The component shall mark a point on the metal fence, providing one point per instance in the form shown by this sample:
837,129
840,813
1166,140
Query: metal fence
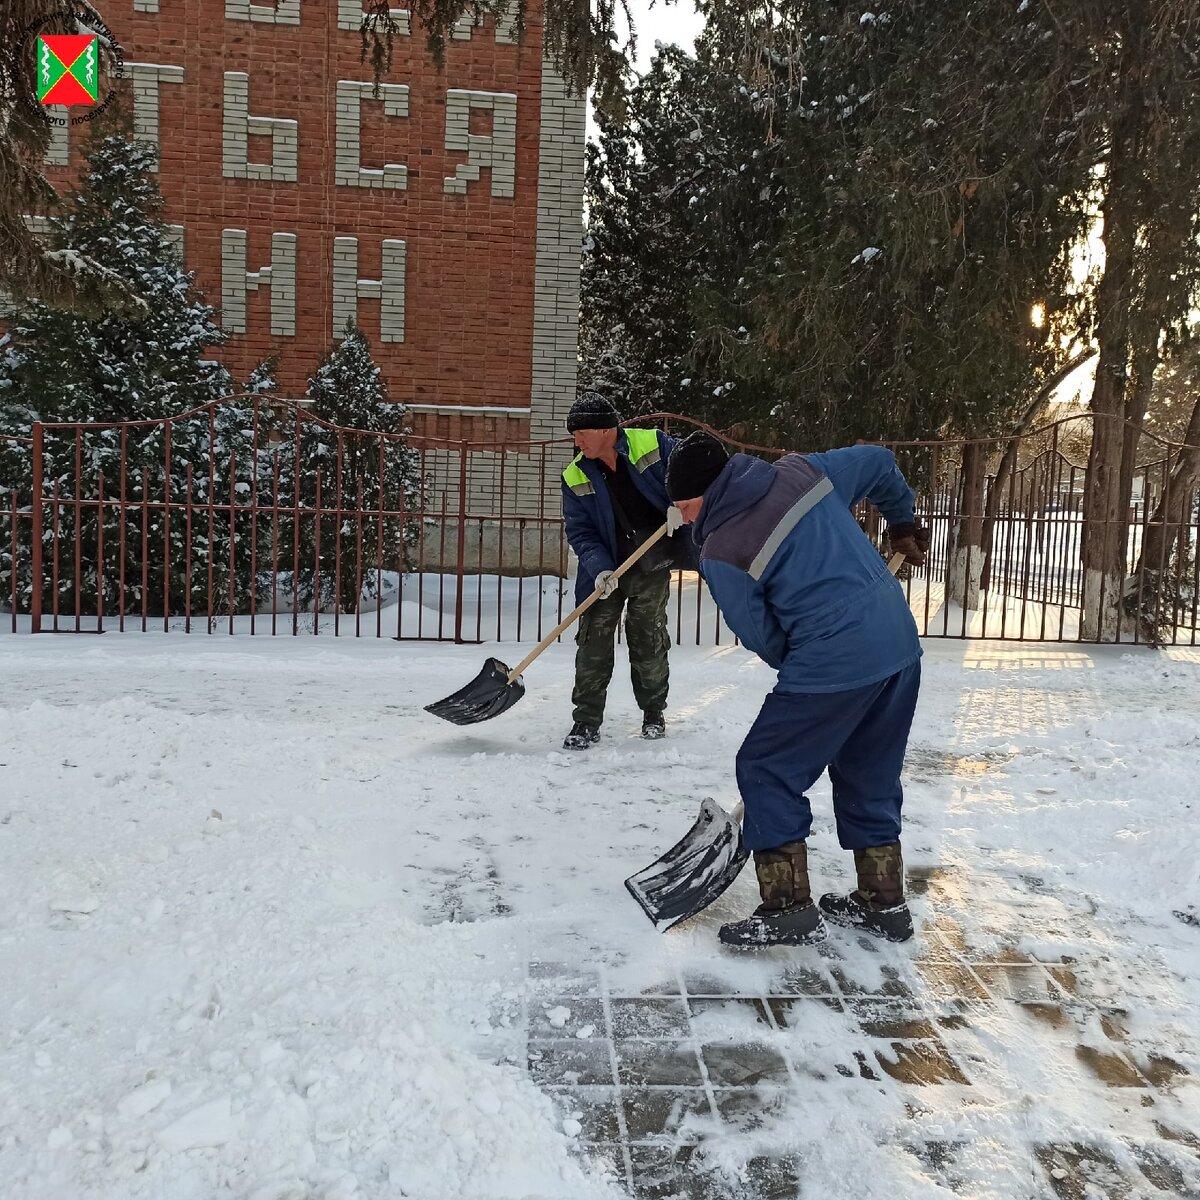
253,516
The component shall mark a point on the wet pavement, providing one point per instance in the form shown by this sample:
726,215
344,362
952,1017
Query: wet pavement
663,1083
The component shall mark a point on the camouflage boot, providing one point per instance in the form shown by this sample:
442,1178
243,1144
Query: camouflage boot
787,916
878,905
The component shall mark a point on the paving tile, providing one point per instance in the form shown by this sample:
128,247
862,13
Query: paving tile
800,1011
1078,1172
570,1063
608,1157
1115,1024
920,1063
595,1108
920,880
659,1064
649,1018
1003,956
1161,1070
882,1021
936,1156
889,983
581,1011
952,1021
731,1018
744,1110
1029,984
858,1065
1111,1069
952,981
663,988
563,979
772,1179
1183,1137
732,1064
1052,1016
682,1175
931,950
657,1114
1166,1175
1065,978
673,1175
945,929
802,981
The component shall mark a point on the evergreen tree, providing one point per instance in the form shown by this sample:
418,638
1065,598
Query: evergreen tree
263,379
61,365
680,198
29,267
356,479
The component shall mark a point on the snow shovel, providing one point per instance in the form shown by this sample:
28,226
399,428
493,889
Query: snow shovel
496,688
702,864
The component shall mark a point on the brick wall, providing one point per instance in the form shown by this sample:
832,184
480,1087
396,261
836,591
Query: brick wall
444,215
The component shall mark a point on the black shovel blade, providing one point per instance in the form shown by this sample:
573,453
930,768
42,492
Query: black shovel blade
486,696
694,872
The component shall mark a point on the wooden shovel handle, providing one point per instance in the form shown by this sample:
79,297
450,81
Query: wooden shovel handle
572,617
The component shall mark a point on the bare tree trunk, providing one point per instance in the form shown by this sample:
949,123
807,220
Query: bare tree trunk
1146,596
1103,518
966,561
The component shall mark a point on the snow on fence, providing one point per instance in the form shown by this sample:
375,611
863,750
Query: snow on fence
251,516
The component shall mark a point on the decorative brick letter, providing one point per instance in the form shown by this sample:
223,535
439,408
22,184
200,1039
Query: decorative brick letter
350,15
498,151
146,78
239,125
506,26
280,277
348,170
283,12
389,290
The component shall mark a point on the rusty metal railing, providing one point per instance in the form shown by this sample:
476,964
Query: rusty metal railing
252,515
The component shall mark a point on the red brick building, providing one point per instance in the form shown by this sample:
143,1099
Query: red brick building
445,215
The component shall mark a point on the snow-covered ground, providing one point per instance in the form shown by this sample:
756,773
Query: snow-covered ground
269,931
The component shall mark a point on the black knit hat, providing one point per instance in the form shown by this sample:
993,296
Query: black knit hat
592,411
693,466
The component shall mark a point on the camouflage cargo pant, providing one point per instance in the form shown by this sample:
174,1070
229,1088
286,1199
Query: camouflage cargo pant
643,596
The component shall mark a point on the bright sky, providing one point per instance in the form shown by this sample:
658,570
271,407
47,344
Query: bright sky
678,22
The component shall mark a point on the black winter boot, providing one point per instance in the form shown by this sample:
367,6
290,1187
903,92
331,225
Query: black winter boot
877,906
787,916
581,737
654,726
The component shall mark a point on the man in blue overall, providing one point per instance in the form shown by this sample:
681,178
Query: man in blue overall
802,585
614,497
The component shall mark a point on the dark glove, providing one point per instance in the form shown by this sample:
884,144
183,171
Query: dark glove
911,540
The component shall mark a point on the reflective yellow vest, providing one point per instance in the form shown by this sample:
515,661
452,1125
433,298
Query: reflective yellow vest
643,453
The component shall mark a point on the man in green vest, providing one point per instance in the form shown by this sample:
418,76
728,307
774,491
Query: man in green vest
614,498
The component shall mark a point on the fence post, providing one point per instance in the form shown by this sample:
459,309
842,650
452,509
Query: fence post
462,540
35,597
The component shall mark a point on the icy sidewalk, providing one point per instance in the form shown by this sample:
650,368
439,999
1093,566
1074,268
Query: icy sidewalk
268,931
1008,1071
